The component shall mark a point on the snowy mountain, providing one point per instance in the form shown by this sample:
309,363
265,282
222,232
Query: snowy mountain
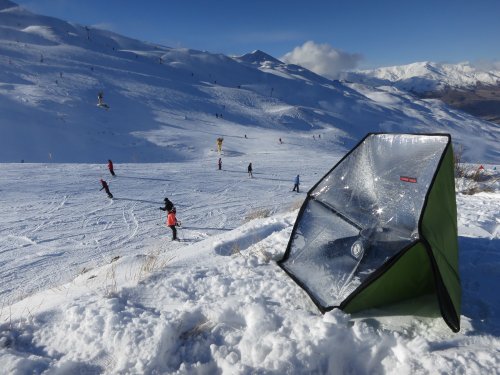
165,103
461,86
422,77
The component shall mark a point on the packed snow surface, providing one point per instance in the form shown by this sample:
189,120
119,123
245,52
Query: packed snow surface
96,285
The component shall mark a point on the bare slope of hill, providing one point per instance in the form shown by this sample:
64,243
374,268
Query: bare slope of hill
482,100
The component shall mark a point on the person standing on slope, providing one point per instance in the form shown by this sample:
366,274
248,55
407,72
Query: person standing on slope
297,183
110,167
219,163
106,188
172,223
250,170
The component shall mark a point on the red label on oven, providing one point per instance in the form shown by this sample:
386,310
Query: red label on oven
408,179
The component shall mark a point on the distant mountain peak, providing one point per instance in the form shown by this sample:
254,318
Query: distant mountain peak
258,56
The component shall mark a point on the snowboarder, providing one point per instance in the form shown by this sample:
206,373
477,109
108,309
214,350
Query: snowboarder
100,100
172,223
220,163
169,206
106,188
250,170
110,167
297,183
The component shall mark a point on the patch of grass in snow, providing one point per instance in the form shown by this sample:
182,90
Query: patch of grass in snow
110,284
236,249
470,179
204,325
151,263
259,213
296,205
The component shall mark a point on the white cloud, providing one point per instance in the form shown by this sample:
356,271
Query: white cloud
104,26
322,59
488,65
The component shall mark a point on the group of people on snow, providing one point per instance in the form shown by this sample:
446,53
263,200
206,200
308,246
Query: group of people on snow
169,207
104,184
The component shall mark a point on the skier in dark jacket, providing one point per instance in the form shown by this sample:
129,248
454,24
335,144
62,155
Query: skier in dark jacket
168,205
106,188
297,183
220,163
250,170
110,167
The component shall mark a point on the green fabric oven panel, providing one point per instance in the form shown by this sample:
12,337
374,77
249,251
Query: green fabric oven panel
409,276
439,228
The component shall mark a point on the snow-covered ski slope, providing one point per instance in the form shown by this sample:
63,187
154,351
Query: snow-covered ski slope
164,101
93,285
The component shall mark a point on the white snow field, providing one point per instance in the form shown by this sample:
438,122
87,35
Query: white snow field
91,285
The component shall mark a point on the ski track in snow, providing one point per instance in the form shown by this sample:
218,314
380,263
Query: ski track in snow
66,229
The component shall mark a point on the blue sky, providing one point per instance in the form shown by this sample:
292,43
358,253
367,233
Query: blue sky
371,33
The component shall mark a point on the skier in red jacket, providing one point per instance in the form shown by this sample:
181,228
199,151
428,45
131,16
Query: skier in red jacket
172,223
110,167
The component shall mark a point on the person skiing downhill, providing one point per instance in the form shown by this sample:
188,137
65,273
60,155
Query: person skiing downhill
110,167
250,170
106,188
297,183
172,223
220,163
100,101
168,205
